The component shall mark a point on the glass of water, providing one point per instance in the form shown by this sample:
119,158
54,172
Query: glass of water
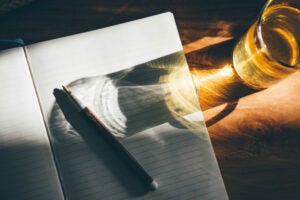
270,50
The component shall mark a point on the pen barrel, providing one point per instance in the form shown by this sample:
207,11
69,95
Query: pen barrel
118,147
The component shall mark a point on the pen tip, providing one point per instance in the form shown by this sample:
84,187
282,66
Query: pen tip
66,89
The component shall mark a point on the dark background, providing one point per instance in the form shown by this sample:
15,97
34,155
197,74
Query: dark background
256,146
44,19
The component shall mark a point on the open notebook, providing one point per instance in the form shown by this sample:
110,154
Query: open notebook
134,76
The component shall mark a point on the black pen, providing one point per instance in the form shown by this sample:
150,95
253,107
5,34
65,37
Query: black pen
114,142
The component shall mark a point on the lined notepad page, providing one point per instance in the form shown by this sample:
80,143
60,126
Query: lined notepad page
105,69
27,170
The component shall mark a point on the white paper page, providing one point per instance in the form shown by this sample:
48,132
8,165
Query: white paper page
86,62
27,170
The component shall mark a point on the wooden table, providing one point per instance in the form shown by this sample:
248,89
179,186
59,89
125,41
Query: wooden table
255,134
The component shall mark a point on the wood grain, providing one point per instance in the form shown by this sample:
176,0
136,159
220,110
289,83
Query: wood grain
255,134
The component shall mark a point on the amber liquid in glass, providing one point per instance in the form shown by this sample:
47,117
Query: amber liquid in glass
261,64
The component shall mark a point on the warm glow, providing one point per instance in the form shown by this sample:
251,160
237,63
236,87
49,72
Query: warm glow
204,42
203,75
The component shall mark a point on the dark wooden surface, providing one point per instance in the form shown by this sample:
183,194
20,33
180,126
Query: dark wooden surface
255,135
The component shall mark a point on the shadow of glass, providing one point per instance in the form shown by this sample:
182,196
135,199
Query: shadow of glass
132,101
216,80
141,97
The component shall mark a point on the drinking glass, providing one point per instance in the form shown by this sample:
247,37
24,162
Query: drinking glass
269,51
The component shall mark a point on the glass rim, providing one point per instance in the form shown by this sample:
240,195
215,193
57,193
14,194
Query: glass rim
261,42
